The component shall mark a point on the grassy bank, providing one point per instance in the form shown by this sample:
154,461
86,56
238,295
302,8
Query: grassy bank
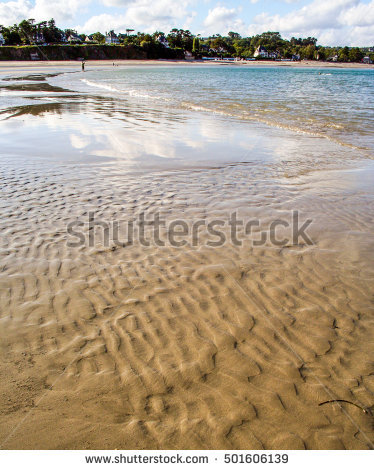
87,52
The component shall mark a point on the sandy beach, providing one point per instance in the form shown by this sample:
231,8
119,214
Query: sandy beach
32,65
138,345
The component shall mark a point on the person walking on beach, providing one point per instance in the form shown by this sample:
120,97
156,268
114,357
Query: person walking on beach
83,64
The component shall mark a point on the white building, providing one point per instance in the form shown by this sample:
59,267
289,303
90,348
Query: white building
111,38
162,40
2,40
273,55
74,38
39,38
261,52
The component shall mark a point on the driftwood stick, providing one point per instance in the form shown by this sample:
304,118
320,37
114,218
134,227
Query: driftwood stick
365,410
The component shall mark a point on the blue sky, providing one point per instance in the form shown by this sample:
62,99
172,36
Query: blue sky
333,22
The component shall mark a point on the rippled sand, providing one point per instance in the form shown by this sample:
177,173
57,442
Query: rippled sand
148,347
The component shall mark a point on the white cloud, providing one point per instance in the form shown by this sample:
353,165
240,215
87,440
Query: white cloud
333,22
116,3
359,15
16,11
103,23
62,11
142,15
219,15
221,20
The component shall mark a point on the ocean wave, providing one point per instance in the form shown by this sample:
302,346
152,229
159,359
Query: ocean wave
99,85
314,128
133,93
274,123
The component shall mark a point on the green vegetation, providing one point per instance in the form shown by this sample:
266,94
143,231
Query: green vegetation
196,45
98,38
178,41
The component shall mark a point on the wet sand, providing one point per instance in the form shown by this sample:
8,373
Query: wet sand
191,347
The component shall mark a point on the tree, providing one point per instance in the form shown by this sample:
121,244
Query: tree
51,33
308,52
322,53
11,35
98,37
70,32
309,42
26,30
196,45
343,54
180,38
355,55
233,35
243,47
156,34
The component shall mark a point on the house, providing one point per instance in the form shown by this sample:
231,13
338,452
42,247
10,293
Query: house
367,60
273,55
2,40
111,38
163,41
218,50
296,57
38,38
74,38
89,38
261,52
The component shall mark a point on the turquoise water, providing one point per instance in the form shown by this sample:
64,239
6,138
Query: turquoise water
336,103
196,114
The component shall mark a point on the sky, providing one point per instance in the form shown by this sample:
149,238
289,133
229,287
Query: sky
332,22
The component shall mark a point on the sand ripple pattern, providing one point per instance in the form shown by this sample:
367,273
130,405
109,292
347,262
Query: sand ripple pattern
193,348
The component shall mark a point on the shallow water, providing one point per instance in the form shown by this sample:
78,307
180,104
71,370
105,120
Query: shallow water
332,103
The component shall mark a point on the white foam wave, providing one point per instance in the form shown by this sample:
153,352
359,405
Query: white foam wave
274,123
133,93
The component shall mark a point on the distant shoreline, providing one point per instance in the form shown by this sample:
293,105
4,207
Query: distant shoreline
164,62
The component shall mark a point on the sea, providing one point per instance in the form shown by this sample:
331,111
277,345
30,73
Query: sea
146,116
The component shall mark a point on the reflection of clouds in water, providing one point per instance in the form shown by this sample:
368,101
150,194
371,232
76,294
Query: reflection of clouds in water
303,149
351,179
198,138
78,142
134,146
195,138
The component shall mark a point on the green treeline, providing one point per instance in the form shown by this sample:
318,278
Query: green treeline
171,45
